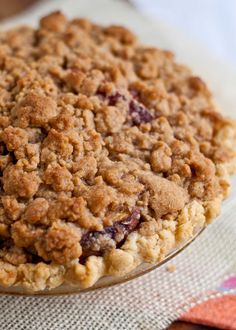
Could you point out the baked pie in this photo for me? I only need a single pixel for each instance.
(111, 153)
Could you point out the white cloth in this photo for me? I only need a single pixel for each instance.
(153, 301)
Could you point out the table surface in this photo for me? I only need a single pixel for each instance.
(188, 326)
(11, 7)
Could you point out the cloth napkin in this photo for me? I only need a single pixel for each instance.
(218, 312)
(153, 301)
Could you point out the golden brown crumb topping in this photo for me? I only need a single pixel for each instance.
(102, 141)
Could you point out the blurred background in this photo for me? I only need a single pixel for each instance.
(210, 22)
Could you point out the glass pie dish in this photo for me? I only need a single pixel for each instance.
(106, 281)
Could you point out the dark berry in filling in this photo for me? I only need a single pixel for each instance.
(138, 113)
(114, 98)
(96, 242)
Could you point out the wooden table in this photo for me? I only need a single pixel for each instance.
(188, 326)
(11, 7)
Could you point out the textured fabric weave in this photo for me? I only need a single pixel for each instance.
(156, 299)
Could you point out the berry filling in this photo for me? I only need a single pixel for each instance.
(114, 98)
(139, 114)
(96, 242)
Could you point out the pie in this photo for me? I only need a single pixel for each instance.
(111, 153)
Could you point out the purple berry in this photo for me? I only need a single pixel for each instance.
(139, 114)
(96, 242)
(114, 98)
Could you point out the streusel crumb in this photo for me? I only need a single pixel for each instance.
(111, 153)
(171, 268)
